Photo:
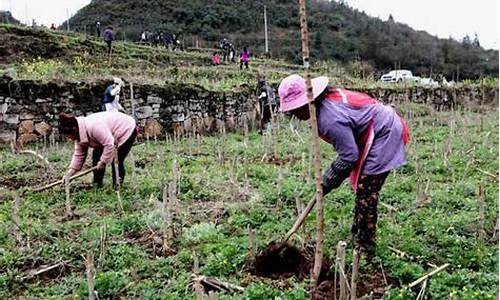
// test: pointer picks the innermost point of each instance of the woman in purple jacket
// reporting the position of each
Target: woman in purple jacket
(109, 37)
(369, 139)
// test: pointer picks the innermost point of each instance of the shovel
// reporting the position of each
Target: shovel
(277, 247)
(55, 183)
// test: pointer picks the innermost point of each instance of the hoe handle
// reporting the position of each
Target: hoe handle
(48, 186)
(300, 220)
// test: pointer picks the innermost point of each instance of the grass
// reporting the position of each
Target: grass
(430, 211)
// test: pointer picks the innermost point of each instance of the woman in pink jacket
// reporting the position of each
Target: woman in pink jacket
(103, 132)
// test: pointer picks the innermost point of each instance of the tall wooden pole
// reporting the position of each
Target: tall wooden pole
(318, 256)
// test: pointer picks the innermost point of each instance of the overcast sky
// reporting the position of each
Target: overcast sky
(443, 18)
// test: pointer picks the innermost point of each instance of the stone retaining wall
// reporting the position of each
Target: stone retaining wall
(29, 109)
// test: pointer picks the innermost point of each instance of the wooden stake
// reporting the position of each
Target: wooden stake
(89, 264)
(212, 295)
(252, 245)
(102, 247)
(132, 101)
(68, 214)
(495, 232)
(482, 198)
(279, 184)
(355, 270)
(167, 214)
(340, 270)
(16, 220)
(117, 178)
(318, 256)
(176, 181)
(197, 282)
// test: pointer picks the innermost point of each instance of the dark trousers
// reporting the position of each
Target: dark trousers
(123, 151)
(109, 46)
(243, 62)
(365, 212)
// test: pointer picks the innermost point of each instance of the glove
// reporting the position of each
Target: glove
(335, 174)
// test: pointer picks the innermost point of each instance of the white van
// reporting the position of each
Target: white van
(397, 76)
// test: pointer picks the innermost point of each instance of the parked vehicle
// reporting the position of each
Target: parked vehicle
(398, 76)
(428, 82)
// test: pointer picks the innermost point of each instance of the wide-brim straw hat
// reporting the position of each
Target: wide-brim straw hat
(293, 91)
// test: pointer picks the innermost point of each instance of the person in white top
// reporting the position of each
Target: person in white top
(111, 100)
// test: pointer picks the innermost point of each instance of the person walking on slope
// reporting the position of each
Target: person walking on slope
(111, 99)
(103, 132)
(97, 29)
(369, 139)
(215, 59)
(244, 58)
(108, 38)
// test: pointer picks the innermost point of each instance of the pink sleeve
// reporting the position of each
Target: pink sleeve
(78, 157)
(104, 137)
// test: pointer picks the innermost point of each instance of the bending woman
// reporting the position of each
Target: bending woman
(369, 139)
(103, 132)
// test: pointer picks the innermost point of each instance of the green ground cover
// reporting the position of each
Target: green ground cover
(429, 210)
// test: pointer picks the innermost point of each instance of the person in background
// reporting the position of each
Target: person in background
(102, 132)
(111, 99)
(369, 139)
(232, 53)
(53, 26)
(267, 105)
(244, 58)
(108, 38)
(215, 59)
(97, 29)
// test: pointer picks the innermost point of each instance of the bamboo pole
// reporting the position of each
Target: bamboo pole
(318, 256)
(437, 270)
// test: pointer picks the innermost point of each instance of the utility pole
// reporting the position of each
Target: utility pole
(26, 20)
(265, 29)
(67, 22)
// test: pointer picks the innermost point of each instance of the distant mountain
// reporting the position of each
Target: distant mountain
(338, 32)
(6, 17)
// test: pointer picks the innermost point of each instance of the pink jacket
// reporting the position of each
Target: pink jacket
(104, 129)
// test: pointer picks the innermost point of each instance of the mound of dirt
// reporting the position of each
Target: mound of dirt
(283, 262)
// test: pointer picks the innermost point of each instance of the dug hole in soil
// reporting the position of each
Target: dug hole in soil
(281, 263)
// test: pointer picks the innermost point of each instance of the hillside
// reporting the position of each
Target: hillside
(338, 32)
